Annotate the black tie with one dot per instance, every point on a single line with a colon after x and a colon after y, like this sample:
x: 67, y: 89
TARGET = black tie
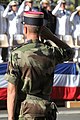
x: 14, y: 14
x: 63, y: 12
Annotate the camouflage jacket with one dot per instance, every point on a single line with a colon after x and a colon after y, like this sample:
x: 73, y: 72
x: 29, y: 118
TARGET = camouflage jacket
x: 31, y: 67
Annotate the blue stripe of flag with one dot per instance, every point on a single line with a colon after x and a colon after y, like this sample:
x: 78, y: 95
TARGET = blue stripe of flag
x: 3, y: 68
x: 66, y: 68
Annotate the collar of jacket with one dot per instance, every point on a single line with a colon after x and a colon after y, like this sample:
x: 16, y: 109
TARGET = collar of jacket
x: 33, y: 41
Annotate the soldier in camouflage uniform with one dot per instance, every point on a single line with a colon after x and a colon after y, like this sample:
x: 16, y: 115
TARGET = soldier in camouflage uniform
x: 30, y: 72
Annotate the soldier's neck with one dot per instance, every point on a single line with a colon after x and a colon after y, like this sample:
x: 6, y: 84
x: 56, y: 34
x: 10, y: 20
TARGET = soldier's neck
x: 32, y: 36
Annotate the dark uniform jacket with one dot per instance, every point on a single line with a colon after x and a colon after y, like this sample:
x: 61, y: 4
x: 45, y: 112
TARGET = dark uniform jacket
x: 49, y: 20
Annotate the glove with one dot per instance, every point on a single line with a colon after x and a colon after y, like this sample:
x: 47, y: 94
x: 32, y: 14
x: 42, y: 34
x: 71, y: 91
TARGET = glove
x: 27, y: 8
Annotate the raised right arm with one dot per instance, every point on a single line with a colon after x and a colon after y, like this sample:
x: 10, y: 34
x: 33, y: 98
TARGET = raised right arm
x: 5, y: 13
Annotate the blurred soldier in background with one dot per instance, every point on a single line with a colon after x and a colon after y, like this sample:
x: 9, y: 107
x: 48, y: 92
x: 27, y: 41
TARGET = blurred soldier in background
x: 3, y: 28
x: 14, y: 23
x: 49, y: 19
x: 27, y: 5
x: 2, y: 21
x: 75, y: 22
x: 63, y: 19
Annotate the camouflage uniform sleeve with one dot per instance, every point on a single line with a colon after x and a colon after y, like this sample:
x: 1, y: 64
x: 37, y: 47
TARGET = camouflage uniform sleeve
x: 13, y: 72
x: 62, y: 55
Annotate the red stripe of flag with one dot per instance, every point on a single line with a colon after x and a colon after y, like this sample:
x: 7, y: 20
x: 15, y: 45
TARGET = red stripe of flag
x: 65, y: 93
x: 3, y: 93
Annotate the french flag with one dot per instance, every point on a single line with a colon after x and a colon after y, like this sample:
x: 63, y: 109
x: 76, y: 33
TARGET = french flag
x: 66, y: 82
x: 3, y: 82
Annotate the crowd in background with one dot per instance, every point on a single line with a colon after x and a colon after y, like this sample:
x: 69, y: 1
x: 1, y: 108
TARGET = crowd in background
x: 58, y: 19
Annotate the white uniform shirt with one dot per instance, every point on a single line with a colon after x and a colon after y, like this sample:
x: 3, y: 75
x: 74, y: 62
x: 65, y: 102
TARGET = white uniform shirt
x: 75, y: 20
x: 63, y: 20
x: 14, y: 23
x: 3, y: 25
